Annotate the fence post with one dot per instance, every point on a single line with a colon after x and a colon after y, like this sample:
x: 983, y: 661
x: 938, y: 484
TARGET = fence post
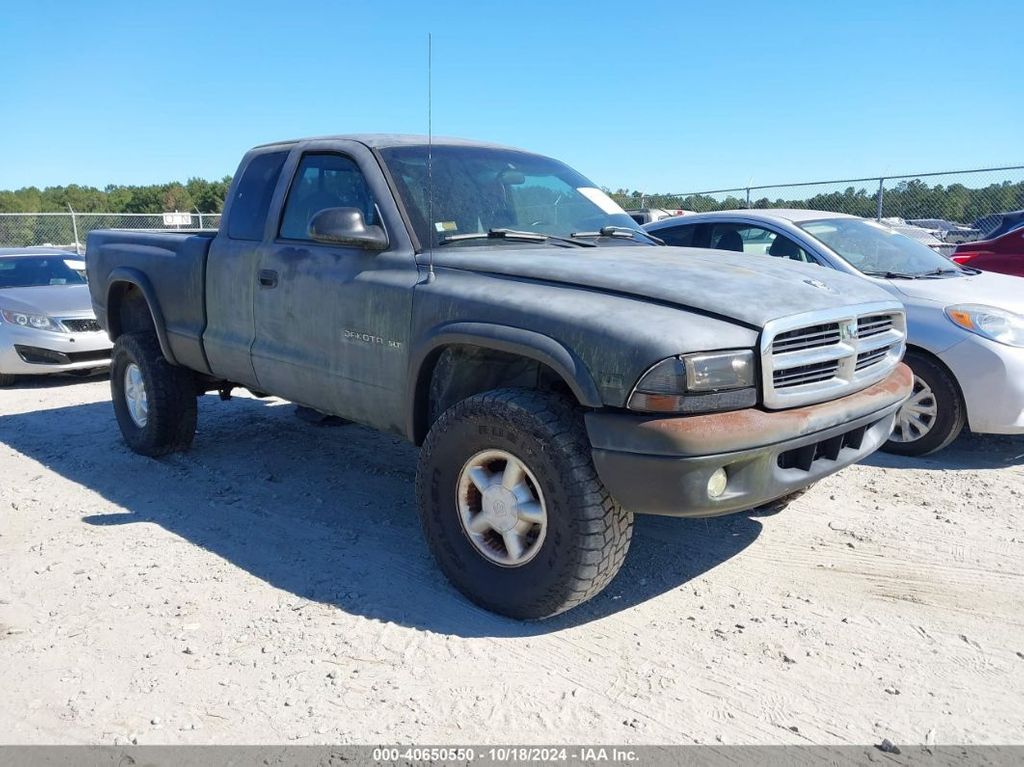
x: 200, y: 214
x: 881, y: 194
x: 748, y: 198
x: 74, y: 228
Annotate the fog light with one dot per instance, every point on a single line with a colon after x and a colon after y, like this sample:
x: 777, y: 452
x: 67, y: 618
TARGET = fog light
x: 716, y: 484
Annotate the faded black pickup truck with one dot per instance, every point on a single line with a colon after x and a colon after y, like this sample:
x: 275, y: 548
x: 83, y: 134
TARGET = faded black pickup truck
x: 559, y: 369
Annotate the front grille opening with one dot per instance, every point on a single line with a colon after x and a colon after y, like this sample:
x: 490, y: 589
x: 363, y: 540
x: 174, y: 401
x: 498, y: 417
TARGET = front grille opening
x: 81, y: 326
x: 873, y: 325
x: 811, y: 337
x: 805, y: 374
x: 35, y: 355
x: 867, y: 359
x: 804, y: 458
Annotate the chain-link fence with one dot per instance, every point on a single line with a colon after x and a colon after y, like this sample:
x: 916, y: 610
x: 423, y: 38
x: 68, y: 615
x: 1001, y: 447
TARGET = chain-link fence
x: 954, y: 206
x: 69, y: 230
x: 958, y: 205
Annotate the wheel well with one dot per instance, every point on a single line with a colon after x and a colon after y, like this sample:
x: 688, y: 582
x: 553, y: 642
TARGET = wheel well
x: 917, y: 350
x: 128, y: 311
x: 453, y: 373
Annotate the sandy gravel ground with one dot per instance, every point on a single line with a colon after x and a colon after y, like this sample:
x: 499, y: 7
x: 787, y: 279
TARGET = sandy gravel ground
x: 271, y: 586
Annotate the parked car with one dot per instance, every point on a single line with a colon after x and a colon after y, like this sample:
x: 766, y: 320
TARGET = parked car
x: 497, y: 308
x: 998, y: 224
x: 647, y: 215
x: 1004, y: 253
x: 1002, y: 249
x: 945, y: 230
x: 931, y: 238
x: 47, y: 323
x: 965, y: 328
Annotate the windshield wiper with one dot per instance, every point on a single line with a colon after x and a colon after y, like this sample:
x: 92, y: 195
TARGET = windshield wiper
x: 893, y: 275
x: 513, y: 234
x: 619, y: 231
x: 940, y: 272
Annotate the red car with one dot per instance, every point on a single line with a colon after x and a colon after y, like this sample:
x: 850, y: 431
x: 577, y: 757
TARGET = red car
x: 1002, y: 250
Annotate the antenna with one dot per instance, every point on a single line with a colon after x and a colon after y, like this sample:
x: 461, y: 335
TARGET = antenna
x: 430, y: 160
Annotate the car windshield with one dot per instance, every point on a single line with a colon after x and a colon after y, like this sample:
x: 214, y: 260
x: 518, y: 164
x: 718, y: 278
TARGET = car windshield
x: 38, y: 271
x: 479, y: 189
x: 873, y: 248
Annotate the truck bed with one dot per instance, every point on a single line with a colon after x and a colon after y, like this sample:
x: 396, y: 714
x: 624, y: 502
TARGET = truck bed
x: 171, y: 267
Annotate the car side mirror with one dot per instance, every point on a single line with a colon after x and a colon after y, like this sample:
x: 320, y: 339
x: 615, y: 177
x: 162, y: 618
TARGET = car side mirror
x: 346, y: 226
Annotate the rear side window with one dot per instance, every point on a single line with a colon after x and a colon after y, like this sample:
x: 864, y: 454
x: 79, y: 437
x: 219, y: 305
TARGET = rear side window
x: 681, y: 236
x: 253, y: 194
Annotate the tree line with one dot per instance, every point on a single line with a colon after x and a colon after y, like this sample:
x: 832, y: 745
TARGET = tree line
x: 909, y: 199
x: 195, y: 194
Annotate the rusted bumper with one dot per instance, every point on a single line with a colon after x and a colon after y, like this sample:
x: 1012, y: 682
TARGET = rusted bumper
x: 658, y: 465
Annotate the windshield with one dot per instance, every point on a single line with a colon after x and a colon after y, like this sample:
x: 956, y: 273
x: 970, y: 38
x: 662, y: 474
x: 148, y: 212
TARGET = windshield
x: 37, y: 271
x: 876, y: 249
x: 478, y: 189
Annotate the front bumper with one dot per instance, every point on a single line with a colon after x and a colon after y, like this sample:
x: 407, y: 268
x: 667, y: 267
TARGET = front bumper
x: 26, y: 351
x: 991, y: 377
x: 658, y: 465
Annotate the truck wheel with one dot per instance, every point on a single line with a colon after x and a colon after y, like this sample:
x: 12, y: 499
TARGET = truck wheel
x: 933, y: 416
x: 154, y: 401
x: 7, y: 380
x: 512, y: 507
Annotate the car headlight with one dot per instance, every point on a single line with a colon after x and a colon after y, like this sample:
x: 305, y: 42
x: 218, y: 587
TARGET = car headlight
x: 697, y: 383
x: 989, y: 322
x: 36, y: 321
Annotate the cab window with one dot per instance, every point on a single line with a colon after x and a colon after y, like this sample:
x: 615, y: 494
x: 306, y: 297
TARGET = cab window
x: 325, y: 181
x: 248, y: 214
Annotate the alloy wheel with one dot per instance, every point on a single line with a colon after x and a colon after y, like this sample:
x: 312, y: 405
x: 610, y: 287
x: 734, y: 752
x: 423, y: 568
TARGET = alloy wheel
x: 501, y: 508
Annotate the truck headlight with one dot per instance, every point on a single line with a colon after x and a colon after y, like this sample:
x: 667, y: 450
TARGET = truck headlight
x: 36, y: 321
x: 989, y: 322
x: 697, y: 383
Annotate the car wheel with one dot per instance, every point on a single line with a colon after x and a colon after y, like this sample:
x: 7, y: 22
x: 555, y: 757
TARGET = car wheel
x: 7, y: 380
x: 933, y: 416
x: 512, y: 507
x: 154, y: 401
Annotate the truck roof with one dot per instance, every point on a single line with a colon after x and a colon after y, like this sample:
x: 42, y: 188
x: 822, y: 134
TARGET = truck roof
x: 382, y: 140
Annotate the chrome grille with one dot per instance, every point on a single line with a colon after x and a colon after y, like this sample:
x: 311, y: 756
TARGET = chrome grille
x: 821, y: 371
x: 825, y: 355
x: 867, y: 359
x: 806, y: 338
x: 873, y: 325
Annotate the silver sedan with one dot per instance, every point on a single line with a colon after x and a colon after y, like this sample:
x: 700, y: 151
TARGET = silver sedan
x: 47, y: 323
x: 965, y: 328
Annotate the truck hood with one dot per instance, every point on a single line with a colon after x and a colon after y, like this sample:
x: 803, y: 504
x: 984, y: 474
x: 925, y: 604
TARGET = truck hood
x: 749, y: 289
x: 988, y: 288
x: 53, y: 300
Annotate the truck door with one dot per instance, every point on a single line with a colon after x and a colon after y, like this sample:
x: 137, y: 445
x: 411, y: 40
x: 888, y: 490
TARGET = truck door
x: 331, y: 320
x: 231, y: 267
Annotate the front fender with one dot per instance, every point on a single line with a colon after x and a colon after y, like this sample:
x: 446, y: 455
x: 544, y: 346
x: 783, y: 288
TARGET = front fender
x: 503, y: 338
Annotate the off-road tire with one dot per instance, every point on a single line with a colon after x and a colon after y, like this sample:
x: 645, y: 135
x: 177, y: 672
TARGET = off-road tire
x: 951, y: 416
x: 170, y: 391
x: 587, y: 535
x: 7, y: 380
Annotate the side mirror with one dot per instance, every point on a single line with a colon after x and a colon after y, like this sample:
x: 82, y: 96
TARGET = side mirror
x: 345, y: 226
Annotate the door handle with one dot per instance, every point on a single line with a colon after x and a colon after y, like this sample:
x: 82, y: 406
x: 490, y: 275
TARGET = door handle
x: 268, y: 278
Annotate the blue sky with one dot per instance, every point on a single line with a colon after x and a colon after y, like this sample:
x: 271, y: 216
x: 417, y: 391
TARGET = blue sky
x: 660, y: 96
